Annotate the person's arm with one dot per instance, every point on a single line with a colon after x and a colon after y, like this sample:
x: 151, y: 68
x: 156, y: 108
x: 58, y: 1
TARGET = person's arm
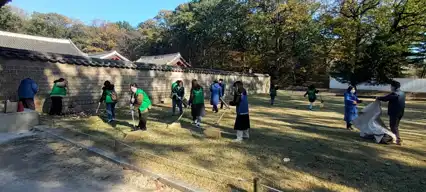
x: 388, y: 97
x: 305, y: 94
x: 34, y: 86
x: 103, y: 96
x: 237, y: 99
x: 349, y: 100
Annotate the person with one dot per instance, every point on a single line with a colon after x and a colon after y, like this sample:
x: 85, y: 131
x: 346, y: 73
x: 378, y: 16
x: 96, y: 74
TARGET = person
x: 351, y: 109
x: 174, y: 84
x: 396, y: 108
x: 142, y: 104
x: 273, y: 93
x: 58, y: 92
x: 242, y: 121
x: 312, y: 95
x: 28, y: 88
x: 223, y: 86
x: 216, y: 92
x: 196, y: 100
x: 110, y: 100
x: 178, y: 93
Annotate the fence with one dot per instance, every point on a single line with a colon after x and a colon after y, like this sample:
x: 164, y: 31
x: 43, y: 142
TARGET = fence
x: 411, y: 85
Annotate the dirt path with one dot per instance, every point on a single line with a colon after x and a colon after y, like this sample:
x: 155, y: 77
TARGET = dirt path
x: 46, y: 165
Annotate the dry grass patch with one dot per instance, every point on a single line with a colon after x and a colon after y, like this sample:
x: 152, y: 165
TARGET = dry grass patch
x: 324, y: 155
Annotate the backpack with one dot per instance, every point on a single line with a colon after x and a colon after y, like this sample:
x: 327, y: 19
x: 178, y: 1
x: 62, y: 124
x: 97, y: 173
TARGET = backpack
x: 114, y: 96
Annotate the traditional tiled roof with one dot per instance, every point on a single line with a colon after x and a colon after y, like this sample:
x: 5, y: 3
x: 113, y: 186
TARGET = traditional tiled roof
x: 107, y: 54
x: 36, y: 43
x: 168, y: 59
x: 9, y: 53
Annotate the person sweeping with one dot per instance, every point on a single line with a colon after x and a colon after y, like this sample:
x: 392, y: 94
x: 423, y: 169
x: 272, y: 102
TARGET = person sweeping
x: 216, y: 92
x: 59, y: 91
x: 142, y: 104
x: 178, y: 93
x: 351, y: 109
x: 110, y: 97
x: 242, y: 121
x: 312, y: 95
x: 196, y: 101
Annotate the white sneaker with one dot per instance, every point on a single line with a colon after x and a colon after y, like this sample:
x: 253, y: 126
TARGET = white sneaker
x: 238, y: 140
x: 198, y: 124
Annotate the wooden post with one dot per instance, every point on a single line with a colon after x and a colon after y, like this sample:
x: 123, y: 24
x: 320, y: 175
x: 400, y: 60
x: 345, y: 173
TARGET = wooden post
x: 256, y: 184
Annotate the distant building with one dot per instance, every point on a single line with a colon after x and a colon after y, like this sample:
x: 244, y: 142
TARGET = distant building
x: 39, y: 44
x: 174, y: 59
x: 113, y: 55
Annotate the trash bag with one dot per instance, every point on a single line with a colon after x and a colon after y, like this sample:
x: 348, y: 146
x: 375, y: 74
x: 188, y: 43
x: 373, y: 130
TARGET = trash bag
x: 370, y: 124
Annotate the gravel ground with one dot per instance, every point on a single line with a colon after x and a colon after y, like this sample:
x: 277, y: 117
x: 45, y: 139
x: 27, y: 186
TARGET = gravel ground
x: 42, y: 164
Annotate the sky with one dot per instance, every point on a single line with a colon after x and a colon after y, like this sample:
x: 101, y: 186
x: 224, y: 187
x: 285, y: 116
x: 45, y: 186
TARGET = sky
x: 133, y: 11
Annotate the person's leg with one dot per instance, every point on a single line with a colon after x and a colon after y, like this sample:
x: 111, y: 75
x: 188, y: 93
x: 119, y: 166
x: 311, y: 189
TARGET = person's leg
x: 221, y: 104
x: 179, y: 104
x: 311, y: 104
x: 30, y: 104
x: 54, y: 108
x: 174, y: 106
x: 239, y: 135
x: 272, y: 100
x: 109, y: 112
x: 113, y: 111
x: 198, y: 123
x: 394, y: 126
x: 246, y: 134
x: 215, y: 109
x: 348, y: 125
x: 143, y: 120
x: 59, y: 112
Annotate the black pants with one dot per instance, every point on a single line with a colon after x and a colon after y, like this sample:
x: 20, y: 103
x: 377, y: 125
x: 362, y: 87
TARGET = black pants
x: 56, y: 107
x: 143, y: 117
x: 394, y: 125
x: 28, y: 103
x: 221, y: 104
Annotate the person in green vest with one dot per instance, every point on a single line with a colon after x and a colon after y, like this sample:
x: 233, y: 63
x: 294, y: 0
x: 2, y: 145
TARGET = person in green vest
x: 58, y: 92
x: 196, y: 101
x: 110, y: 97
x: 312, y: 95
x: 142, y: 104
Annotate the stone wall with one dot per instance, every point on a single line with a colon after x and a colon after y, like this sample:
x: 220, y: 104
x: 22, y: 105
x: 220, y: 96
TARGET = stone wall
x: 85, y: 81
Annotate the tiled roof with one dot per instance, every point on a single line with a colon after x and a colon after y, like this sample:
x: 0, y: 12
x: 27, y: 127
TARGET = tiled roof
x: 36, y: 43
x: 162, y: 59
x: 106, y: 54
x: 9, y: 53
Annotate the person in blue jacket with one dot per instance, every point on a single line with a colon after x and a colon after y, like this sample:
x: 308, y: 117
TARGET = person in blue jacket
x: 26, y: 92
x: 242, y: 122
x: 351, y: 109
x: 216, y: 92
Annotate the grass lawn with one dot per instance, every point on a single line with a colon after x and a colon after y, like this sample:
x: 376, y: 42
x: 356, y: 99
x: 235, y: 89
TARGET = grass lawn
x: 324, y: 155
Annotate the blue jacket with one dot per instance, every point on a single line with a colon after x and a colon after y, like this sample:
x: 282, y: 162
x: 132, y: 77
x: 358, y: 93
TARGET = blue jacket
x: 27, y: 89
x: 241, y: 103
x: 216, y: 92
x: 351, y: 110
x: 396, y: 105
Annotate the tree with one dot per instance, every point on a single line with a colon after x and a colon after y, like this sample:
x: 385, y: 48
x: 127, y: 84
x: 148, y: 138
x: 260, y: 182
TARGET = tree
x: 374, y: 37
x: 9, y: 21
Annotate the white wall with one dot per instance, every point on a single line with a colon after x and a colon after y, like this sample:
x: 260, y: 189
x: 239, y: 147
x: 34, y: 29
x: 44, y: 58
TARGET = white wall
x: 413, y: 85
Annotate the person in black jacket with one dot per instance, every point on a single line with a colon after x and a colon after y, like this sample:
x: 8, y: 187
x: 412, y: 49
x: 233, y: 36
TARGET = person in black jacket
x: 396, y: 107
x: 222, y: 84
x: 178, y: 96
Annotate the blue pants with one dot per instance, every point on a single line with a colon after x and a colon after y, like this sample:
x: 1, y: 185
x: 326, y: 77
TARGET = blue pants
x: 272, y: 99
x: 178, y: 103
x: 110, y: 108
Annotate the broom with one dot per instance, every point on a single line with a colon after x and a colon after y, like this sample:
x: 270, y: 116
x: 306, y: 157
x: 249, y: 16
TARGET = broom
x: 221, y: 116
x: 176, y: 124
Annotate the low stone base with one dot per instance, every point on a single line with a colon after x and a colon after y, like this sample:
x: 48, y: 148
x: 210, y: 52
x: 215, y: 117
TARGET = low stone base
x: 17, y: 122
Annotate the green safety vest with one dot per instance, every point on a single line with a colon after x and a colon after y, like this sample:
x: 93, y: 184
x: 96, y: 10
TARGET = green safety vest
x: 58, y: 91
x: 146, y: 103
x: 198, y: 97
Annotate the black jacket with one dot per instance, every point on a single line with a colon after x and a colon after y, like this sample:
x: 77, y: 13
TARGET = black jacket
x: 396, y: 105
